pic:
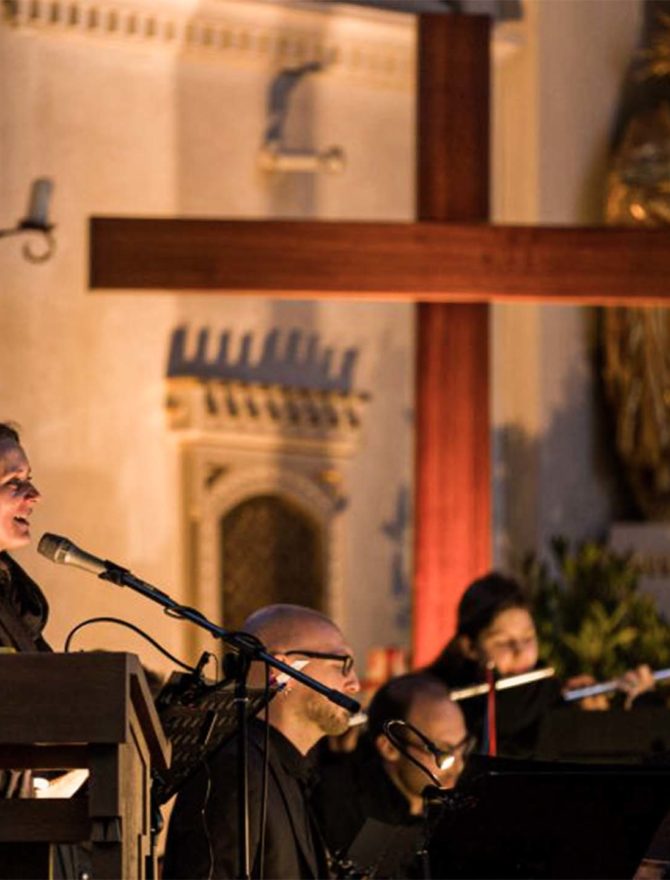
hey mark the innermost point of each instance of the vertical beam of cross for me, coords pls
(453, 471)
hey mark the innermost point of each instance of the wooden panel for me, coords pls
(73, 698)
(452, 507)
(39, 757)
(57, 821)
(429, 262)
(82, 697)
(453, 473)
(99, 699)
(452, 158)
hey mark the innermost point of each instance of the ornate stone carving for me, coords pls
(245, 439)
(636, 342)
(308, 407)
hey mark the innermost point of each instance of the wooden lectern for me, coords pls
(89, 710)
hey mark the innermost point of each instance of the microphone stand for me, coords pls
(432, 792)
(248, 649)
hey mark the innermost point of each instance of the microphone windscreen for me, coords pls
(49, 546)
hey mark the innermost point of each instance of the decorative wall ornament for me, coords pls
(233, 33)
(636, 342)
(296, 398)
(267, 416)
(243, 475)
(251, 32)
(270, 548)
(244, 436)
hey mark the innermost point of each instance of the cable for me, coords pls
(152, 641)
(264, 783)
(203, 816)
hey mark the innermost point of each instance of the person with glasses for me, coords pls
(370, 802)
(202, 836)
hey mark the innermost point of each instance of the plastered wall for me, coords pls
(166, 118)
(132, 124)
(556, 100)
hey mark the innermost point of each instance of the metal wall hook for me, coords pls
(36, 220)
(43, 255)
(273, 157)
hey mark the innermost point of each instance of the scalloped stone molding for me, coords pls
(268, 417)
(377, 49)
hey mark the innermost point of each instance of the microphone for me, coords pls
(63, 551)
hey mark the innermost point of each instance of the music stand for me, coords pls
(198, 717)
(637, 736)
(542, 819)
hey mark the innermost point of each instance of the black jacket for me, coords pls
(203, 833)
(23, 615)
(23, 608)
(365, 819)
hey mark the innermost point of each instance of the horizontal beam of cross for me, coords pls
(425, 261)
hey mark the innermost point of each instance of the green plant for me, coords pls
(590, 615)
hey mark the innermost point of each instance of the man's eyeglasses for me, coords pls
(444, 754)
(346, 660)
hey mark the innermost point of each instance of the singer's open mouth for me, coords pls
(22, 520)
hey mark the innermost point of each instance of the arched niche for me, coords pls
(271, 551)
(300, 497)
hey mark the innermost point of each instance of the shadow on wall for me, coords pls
(297, 361)
(566, 480)
(399, 586)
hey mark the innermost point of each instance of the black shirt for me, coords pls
(365, 819)
(203, 832)
(23, 608)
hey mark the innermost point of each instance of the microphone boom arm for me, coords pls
(246, 645)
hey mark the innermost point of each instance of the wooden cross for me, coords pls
(450, 262)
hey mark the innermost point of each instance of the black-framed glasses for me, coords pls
(346, 660)
(445, 754)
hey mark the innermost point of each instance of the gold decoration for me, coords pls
(637, 341)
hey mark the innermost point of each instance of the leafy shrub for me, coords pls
(591, 616)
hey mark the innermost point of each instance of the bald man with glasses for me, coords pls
(369, 802)
(202, 836)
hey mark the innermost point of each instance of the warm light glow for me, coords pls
(444, 760)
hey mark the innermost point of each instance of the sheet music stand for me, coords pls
(542, 819)
(637, 736)
(198, 717)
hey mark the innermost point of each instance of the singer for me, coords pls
(23, 612)
(23, 607)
